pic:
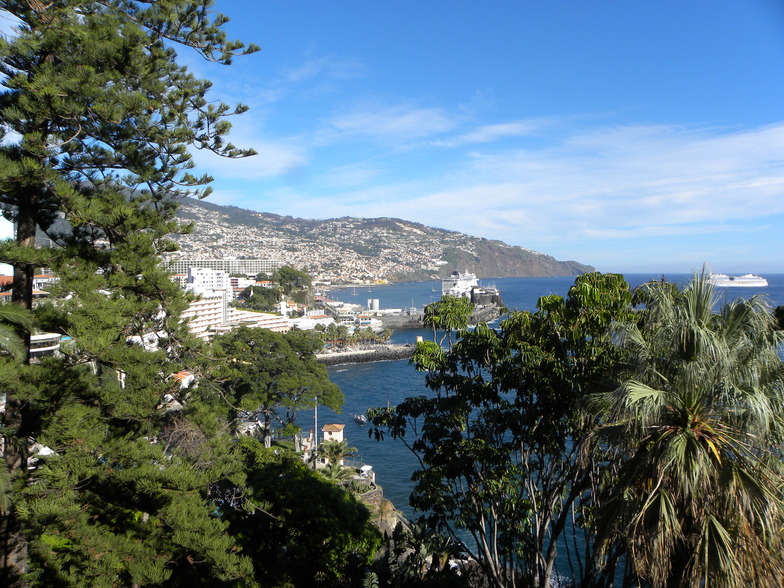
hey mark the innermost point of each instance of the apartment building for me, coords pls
(247, 267)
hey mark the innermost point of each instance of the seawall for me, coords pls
(365, 355)
(482, 314)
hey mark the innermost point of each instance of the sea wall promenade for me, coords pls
(366, 354)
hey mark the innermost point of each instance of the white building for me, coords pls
(248, 267)
(44, 345)
(311, 321)
(208, 312)
(201, 280)
(261, 320)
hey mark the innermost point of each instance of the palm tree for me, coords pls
(696, 430)
(335, 451)
(11, 317)
(335, 472)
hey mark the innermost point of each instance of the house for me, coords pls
(333, 432)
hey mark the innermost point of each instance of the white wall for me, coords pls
(6, 232)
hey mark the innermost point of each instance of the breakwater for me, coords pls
(367, 354)
(415, 320)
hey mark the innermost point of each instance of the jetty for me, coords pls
(415, 320)
(366, 354)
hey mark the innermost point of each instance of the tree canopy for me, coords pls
(499, 437)
(114, 473)
(272, 375)
(694, 432)
(647, 423)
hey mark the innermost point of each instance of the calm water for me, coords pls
(370, 385)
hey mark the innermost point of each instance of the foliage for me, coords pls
(309, 532)
(778, 314)
(696, 432)
(260, 298)
(12, 320)
(272, 376)
(289, 282)
(295, 283)
(334, 451)
(499, 440)
(338, 335)
(291, 279)
(416, 555)
(449, 314)
(97, 118)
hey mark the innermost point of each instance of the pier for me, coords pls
(367, 354)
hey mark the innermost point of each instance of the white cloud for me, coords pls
(555, 188)
(227, 197)
(634, 178)
(321, 67)
(349, 176)
(387, 123)
(272, 160)
(493, 132)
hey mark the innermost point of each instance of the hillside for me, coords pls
(355, 249)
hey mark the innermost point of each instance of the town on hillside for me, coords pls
(227, 294)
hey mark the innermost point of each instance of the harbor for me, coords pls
(486, 299)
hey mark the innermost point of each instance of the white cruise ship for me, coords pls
(744, 281)
(459, 285)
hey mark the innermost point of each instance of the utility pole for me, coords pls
(315, 430)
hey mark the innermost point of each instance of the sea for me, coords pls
(376, 384)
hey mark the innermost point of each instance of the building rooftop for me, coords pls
(333, 427)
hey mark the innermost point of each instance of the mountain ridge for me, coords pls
(351, 249)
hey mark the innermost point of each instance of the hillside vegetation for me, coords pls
(356, 249)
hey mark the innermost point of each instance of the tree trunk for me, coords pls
(13, 543)
(22, 293)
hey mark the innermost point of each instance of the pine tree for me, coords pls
(97, 117)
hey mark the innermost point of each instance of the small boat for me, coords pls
(360, 419)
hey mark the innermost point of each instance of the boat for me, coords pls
(360, 419)
(744, 281)
(459, 285)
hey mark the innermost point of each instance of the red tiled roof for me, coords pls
(334, 428)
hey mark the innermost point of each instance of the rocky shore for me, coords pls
(366, 354)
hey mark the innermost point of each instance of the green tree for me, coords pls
(12, 320)
(335, 451)
(697, 432)
(272, 375)
(500, 438)
(260, 298)
(450, 314)
(298, 528)
(97, 117)
(778, 314)
(295, 283)
(335, 335)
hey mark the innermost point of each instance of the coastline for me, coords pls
(384, 352)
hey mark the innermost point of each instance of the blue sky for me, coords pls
(634, 136)
(630, 135)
